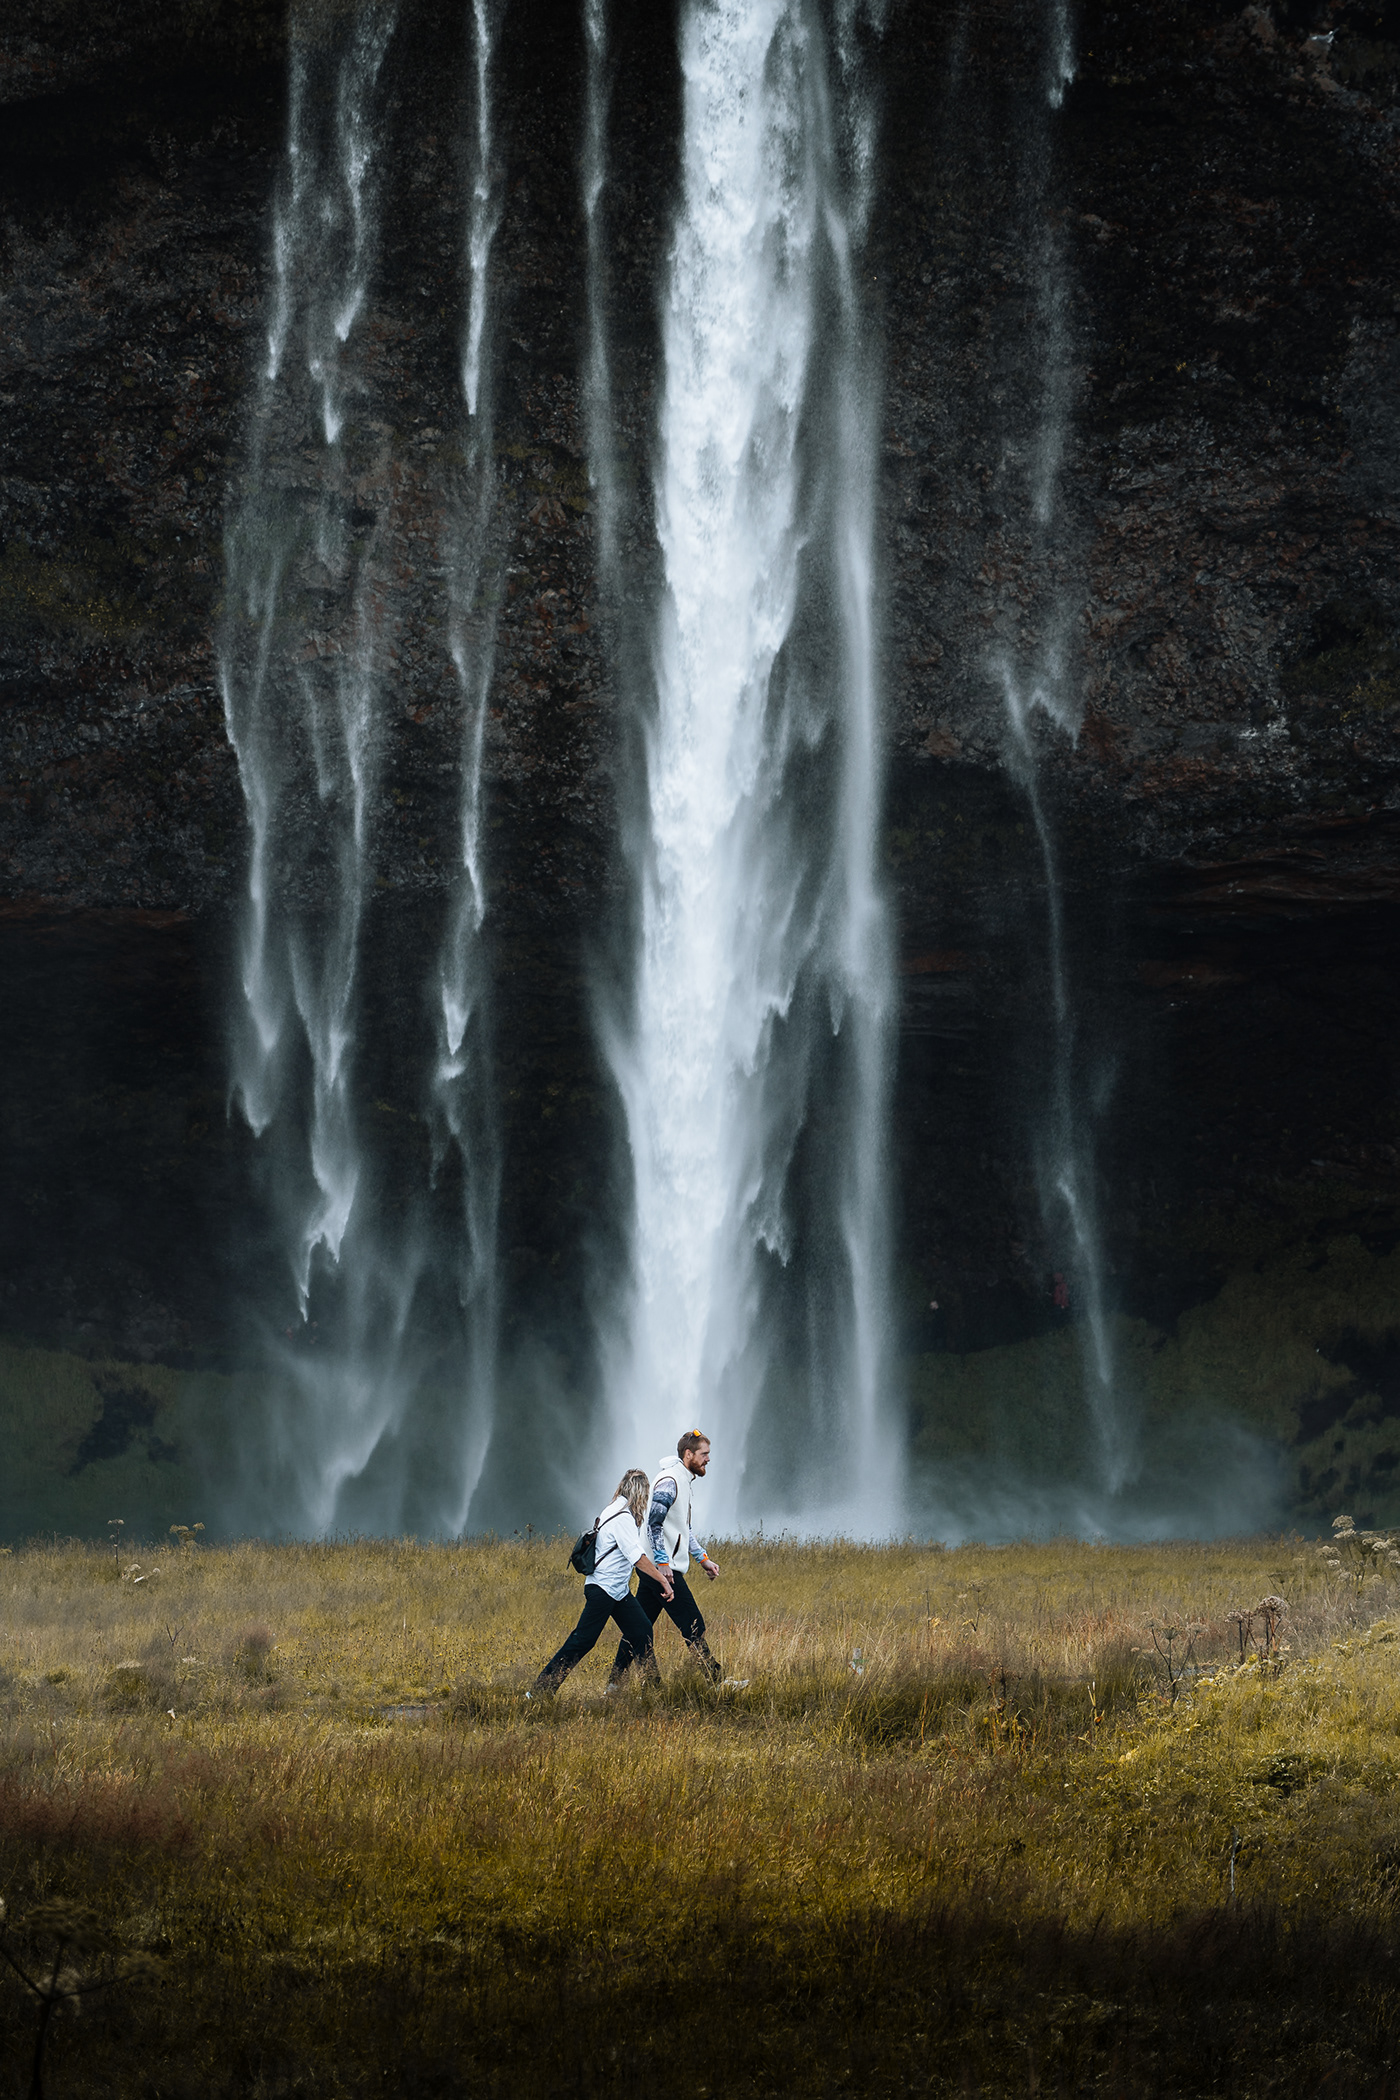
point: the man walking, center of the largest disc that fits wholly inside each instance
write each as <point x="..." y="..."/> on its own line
<point x="671" y="1537"/>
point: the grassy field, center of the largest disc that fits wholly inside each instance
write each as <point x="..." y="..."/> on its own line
<point x="969" y="1825"/>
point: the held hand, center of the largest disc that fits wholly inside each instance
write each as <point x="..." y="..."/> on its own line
<point x="667" y="1590"/>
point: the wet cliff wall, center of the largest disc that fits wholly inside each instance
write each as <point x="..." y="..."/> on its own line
<point x="1223" y="186"/>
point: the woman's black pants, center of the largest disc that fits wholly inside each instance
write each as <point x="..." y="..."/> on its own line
<point x="686" y="1614"/>
<point x="598" y="1607"/>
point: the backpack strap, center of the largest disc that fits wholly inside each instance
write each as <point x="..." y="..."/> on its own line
<point x="614" y="1547"/>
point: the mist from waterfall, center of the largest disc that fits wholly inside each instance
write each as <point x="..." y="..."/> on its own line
<point x="365" y="1416"/>
<point x="1043" y="687"/>
<point x="753" y="1065"/>
<point x="463" y="1093"/>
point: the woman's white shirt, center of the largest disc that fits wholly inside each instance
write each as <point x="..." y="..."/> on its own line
<point x="619" y="1548"/>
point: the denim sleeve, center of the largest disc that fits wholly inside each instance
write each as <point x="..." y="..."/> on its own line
<point x="662" y="1496"/>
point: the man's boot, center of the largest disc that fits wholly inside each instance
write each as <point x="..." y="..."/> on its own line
<point x="701" y="1651"/>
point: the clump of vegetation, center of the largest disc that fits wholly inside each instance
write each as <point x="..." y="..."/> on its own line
<point x="1351" y="1555"/>
<point x="61" y="1954"/>
<point x="252" y="1654"/>
<point x="959" y="1823"/>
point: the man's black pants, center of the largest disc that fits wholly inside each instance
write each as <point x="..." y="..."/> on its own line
<point x="598" y="1607"/>
<point x="684" y="1612"/>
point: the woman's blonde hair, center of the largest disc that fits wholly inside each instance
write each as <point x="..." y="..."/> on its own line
<point x="635" y="1490"/>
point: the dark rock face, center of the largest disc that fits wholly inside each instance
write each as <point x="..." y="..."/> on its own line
<point x="1223" y="189"/>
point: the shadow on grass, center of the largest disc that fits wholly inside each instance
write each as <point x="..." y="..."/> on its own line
<point x="969" y="1999"/>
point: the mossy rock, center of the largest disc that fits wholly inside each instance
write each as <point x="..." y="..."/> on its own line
<point x="1352" y="659"/>
<point x="1279" y="1398"/>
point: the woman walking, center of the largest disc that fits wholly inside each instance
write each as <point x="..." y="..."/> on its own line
<point x="607" y="1593"/>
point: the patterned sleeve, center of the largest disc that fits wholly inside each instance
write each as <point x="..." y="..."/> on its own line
<point x="697" y="1546"/>
<point x="662" y="1496"/>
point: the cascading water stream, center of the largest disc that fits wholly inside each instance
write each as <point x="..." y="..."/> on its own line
<point x="299" y="673"/>
<point x="865" y="968"/>
<point x="462" y="1095"/>
<point x="344" y="1393"/>
<point x="1061" y="65"/>
<point x="1066" y="1160"/>
<point x="762" y="974"/>
<point x="321" y="243"/>
<point x="485" y="212"/>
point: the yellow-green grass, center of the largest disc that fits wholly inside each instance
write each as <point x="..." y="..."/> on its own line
<point x="956" y="1833"/>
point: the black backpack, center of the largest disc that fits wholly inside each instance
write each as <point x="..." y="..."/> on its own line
<point x="584" y="1558"/>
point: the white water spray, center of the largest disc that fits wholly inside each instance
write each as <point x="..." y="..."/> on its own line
<point x="462" y="1071"/>
<point x="763" y="969"/>
<point x="1061" y="64"/>
<point x="1066" y="1163"/>
<point x="485" y="211"/>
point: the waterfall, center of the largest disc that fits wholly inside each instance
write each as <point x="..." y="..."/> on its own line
<point x="753" y="1066"/>
<point x="1043" y="686"/>
<point x="863" y="985"/>
<point x="286" y="706"/>
<point x="462" y="1094"/>
<point x="370" y="1413"/>
<point x="299" y="670"/>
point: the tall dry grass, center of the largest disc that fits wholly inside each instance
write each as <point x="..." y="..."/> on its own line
<point x="969" y="1825"/>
